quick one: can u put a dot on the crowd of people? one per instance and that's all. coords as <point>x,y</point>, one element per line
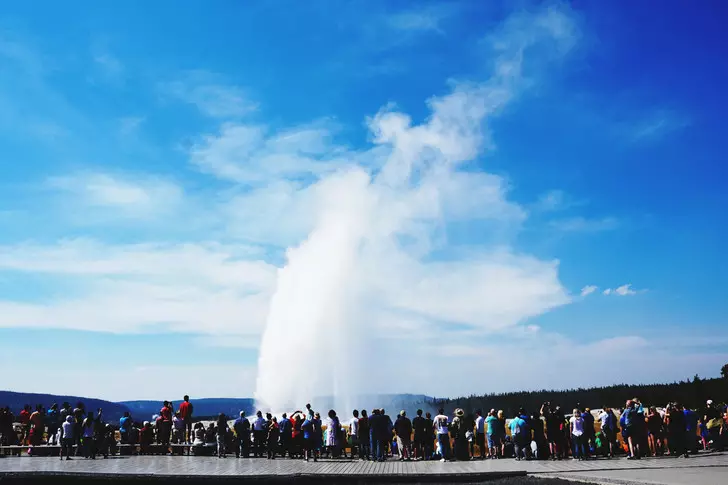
<point>635,431</point>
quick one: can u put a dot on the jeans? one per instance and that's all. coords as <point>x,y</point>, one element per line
<point>578,446</point>
<point>375,448</point>
<point>444,441</point>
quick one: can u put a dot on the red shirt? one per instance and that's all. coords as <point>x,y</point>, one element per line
<point>24,416</point>
<point>166,413</point>
<point>185,410</point>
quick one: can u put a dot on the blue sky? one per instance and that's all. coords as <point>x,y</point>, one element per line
<point>159,158</point>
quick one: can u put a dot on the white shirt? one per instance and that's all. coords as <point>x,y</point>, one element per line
<point>603,417</point>
<point>480,424</point>
<point>578,425</point>
<point>441,422</point>
<point>354,427</point>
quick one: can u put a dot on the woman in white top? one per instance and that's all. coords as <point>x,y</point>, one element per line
<point>576,424</point>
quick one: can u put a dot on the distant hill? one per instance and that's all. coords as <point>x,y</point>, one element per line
<point>16,401</point>
<point>203,408</point>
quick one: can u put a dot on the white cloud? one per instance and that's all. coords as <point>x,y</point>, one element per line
<point>655,125</point>
<point>624,290</point>
<point>211,94</point>
<point>249,153</point>
<point>588,290</point>
<point>583,224</point>
<point>421,19</point>
<point>130,195</point>
<point>197,288</point>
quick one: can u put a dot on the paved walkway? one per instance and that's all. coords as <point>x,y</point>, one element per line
<point>702,469</point>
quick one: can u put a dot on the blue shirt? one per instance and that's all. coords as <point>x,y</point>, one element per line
<point>307,428</point>
<point>518,426</point>
<point>285,426</point>
<point>691,420</point>
<point>123,423</point>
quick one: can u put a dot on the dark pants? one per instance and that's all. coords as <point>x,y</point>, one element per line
<point>188,429</point>
<point>245,446</point>
<point>578,446</point>
<point>259,442</point>
<point>374,447</point>
<point>444,441</point>
<point>67,446</point>
<point>89,447</point>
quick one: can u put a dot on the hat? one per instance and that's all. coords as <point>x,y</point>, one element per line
<point>402,413</point>
<point>459,413</point>
<point>242,414</point>
<point>709,402</point>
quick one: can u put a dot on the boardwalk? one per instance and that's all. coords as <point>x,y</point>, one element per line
<point>704,469</point>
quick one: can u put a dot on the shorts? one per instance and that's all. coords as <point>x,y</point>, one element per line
<point>493,441</point>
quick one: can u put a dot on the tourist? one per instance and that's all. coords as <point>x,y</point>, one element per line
<point>88,436</point>
<point>419,426</point>
<point>221,435</point>
<point>374,434</point>
<point>146,438</point>
<point>178,428</point>
<point>458,430</point>
<point>403,429</point>
<point>333,426</point>
<point>441,424</point>
<point>297,434</point>
<point>589,431</point>
<point>164,424</point>
<point>382,433</point>
<point>365,448</point>
<point>691,430</point>
<point>538,446</point>
<point>480,434</point>
<point>609,428</point>
<point>676,429</point>
<point>24,419</point>
<point>519,433</point>
<point>654,431</point>
<point>198,438</point>
<point>272,438</point>
<point>308,438</point>
<point>240,431</point>
<point>185,412</point>
<point>286,435</point>
<point>491,434</point>
<point>429,437</point>
<point>318,432</point>
<point>125,427</point>
<point>37,426</point>
<point>259,430</point>
<point>67,438</point>
<point>629,429</point>
<point>576,428</point>
<point>53,422</point>
<point>353,433</point>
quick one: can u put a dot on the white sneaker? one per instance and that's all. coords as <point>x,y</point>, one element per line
<point>442,459</point>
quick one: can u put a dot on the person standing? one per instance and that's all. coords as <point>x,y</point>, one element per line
<point>67,439</point>
<point>576,424</point>
<point>286,431</point>
<point>441,425</point>
<point>353,433</point>
<point>164,428</point>
<point>419,426</point>
<point>480,433</point>
<point>222,429</point>
<point>185,412</point>
<point>259,430</point>
<point>365,449</point>
<point>333,426</point>
<point>52,419</point>
<point>88,436</point>
<point>492,424</point>
<point>272,438</point>
<point>403,428</point>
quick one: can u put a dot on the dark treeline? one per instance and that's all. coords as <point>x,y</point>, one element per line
<point>691,393</point>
